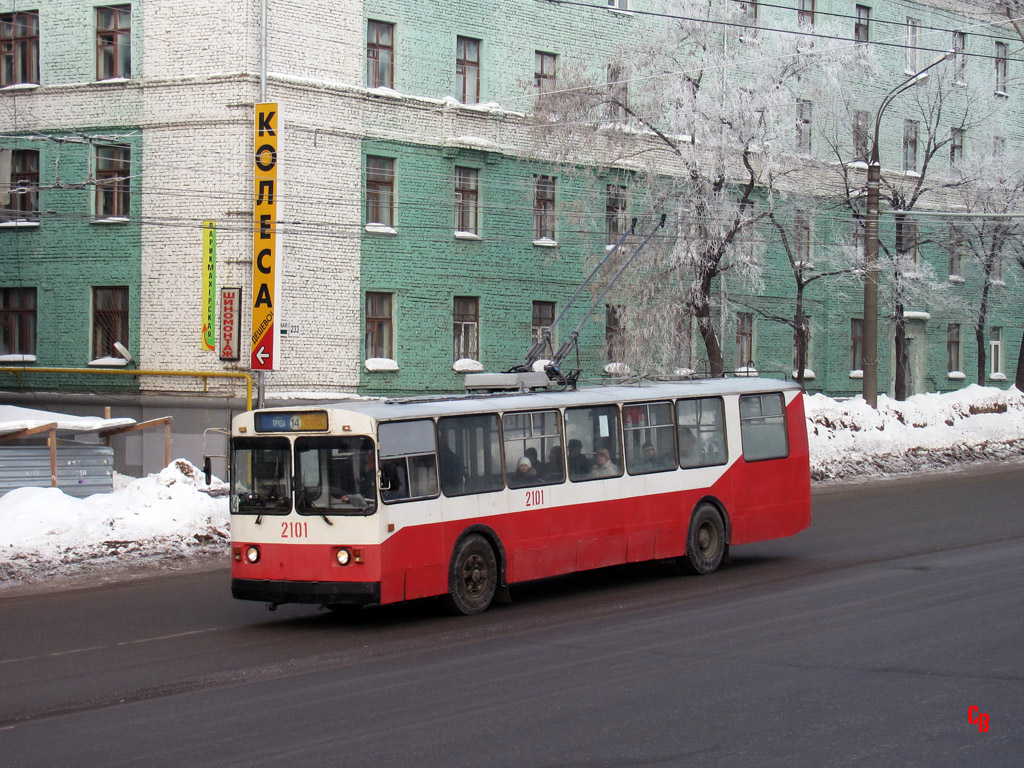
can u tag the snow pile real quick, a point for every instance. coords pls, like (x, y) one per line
(849, 438)
(168, 516)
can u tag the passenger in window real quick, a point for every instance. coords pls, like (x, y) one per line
(531, 454)
(604, 466)
(579, 465)
(689, 449)
(368, 477)
(453, 474)
(555, 468)
(650, 461)
(525, 474)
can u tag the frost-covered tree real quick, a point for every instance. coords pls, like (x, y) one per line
(933, 115)
(990, 195)
(710, 117)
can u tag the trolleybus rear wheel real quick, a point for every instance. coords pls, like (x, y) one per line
(472, 575)
(705, 542)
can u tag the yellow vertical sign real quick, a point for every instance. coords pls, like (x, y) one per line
(209, 285)
(264, 246)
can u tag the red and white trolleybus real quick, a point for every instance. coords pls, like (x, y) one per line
(366, 502)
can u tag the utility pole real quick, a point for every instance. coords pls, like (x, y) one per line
(870, 381)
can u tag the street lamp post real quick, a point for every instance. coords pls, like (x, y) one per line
(870, 352)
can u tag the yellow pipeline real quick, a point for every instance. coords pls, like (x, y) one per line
(204, 375)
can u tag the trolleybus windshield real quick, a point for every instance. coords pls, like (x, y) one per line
(261, 475)
(335, 476)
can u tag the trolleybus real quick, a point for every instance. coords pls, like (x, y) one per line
(380, 501)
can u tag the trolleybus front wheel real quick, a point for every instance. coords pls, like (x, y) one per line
(472, 575)
(705, 542)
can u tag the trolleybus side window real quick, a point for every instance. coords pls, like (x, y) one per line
(335, 476)
(700, 431)
(649, 437)
(261, 475)
(408, 460)
(593, 447)
(763, 427)
(469, 453)
(533, 448)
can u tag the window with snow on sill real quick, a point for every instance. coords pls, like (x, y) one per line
(546, 242)
(381, 229)
(858, 374)
(808, 374)
(956, 376)
(617, 369)
(108, 362)
(376, 364)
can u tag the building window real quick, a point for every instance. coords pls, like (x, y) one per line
(960, 61)
(113, 176)
(954, 247)
(24, 189)
(861, 136)
(17, 321)
(109, 320)
(856, 344)
(466, 200)
(544, 207)
(380, 54)
(908, 241)
(619, 5)
(995, 353)
(613, 338)
(113, 41)
(910, 145)
(466, 328)
(750, 12)
(953, 347)
(378, 326)
(19, 48)
(1001, 68)
(618, 93)
(913, 45)
(956, 145)
(744, 340)
(998, 146)
(805, 13)
(996, 270)
(802, 237)
(803, 125)
(543, 319)
(380, 191)
(544, 71)
(615, 214)
(862, 27)
(467, 70)
(860, 238)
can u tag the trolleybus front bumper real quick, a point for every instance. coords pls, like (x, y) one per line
(318, 592)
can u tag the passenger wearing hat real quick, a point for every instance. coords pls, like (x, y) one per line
(604, 466)
(525, 474)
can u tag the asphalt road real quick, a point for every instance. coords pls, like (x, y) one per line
(863, 641)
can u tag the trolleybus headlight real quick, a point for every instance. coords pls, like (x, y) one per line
(344, 556)
(252, 554)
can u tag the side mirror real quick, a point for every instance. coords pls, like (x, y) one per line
(207, 469)
(383, 482)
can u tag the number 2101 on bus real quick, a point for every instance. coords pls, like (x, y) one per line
(374, 502)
